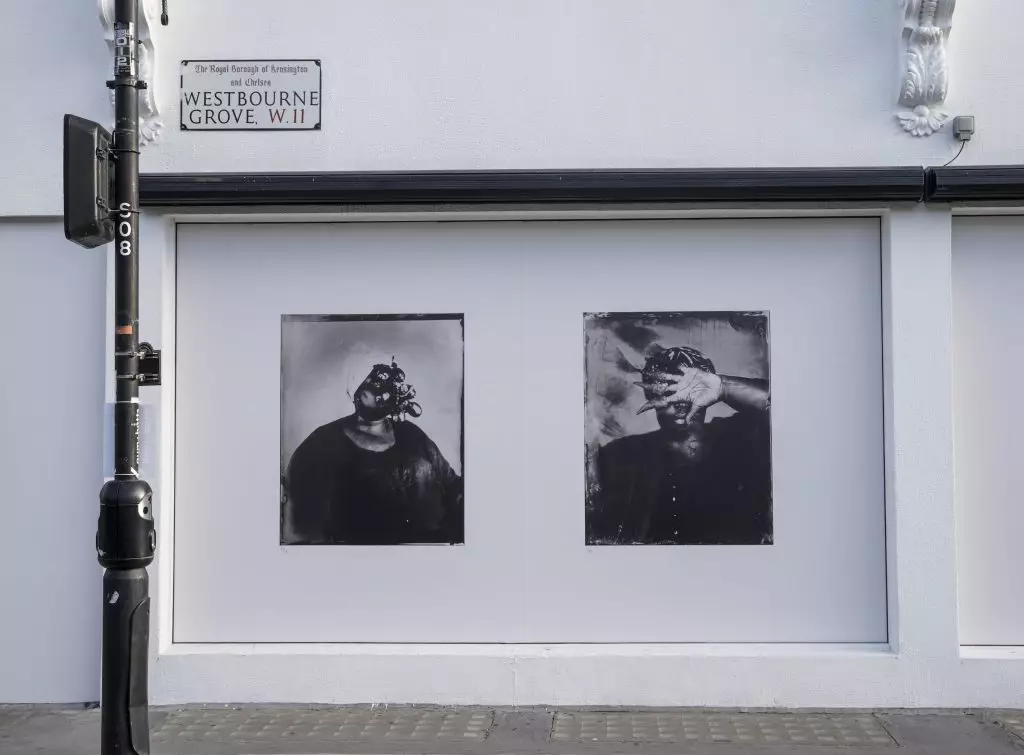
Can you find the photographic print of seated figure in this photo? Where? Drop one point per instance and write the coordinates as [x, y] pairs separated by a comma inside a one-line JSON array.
[[374, 476], [700, 472]]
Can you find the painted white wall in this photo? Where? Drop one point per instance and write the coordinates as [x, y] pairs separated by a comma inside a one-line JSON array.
[[532, 84], [51, 410], [924, 664], [988, 266], [53, 60], [50, 655], [584, 83], [449, 84]]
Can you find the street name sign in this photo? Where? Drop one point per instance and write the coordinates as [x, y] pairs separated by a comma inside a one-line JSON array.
[[250, 95]]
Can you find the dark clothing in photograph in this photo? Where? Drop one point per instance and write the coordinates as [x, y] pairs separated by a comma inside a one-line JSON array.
[[646, 493], [339, 493]]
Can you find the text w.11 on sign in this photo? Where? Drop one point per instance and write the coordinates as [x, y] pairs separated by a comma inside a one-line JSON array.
[[250, 95]]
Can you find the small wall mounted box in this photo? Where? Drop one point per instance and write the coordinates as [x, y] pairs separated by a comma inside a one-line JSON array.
[[963, 127]]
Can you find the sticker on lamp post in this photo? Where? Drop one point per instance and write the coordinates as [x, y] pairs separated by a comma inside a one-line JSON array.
[[250, 95]]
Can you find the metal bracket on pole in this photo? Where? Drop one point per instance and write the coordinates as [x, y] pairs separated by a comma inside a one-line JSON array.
[[142, 365], [149, 365]]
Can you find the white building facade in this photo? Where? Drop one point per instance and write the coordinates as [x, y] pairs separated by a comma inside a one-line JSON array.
[[522, 167]]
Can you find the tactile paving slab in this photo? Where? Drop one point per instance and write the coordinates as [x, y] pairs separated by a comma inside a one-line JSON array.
[[344, 724], [733, 728]]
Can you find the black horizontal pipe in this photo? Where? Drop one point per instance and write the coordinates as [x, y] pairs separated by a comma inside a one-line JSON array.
[[756, 185], [978, 185], [527, 186]]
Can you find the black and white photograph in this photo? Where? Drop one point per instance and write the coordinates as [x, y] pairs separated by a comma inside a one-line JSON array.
[[372, 429], [678, 428]]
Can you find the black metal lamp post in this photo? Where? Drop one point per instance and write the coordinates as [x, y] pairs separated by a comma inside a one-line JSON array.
[[101, 200]]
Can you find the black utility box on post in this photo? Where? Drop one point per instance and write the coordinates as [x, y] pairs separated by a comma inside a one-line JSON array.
[[88, 183]]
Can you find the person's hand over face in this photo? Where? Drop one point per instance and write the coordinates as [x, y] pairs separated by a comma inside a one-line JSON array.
[[695, 388]]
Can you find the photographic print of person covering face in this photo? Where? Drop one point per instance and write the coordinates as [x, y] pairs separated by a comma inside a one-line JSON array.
[[692, 480], [373, 477]]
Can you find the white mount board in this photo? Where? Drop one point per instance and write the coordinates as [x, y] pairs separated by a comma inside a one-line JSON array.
[[524, 574]]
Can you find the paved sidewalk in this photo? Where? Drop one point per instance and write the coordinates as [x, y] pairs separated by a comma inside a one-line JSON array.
[[413, 730]]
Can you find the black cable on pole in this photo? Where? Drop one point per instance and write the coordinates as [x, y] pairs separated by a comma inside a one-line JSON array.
[[163, 12]]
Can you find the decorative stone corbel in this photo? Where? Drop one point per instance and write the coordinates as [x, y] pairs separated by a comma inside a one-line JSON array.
[[150, 121], [926, 28]]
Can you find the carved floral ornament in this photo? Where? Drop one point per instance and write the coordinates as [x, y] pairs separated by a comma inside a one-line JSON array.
[[150, 121], [926, 28]]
